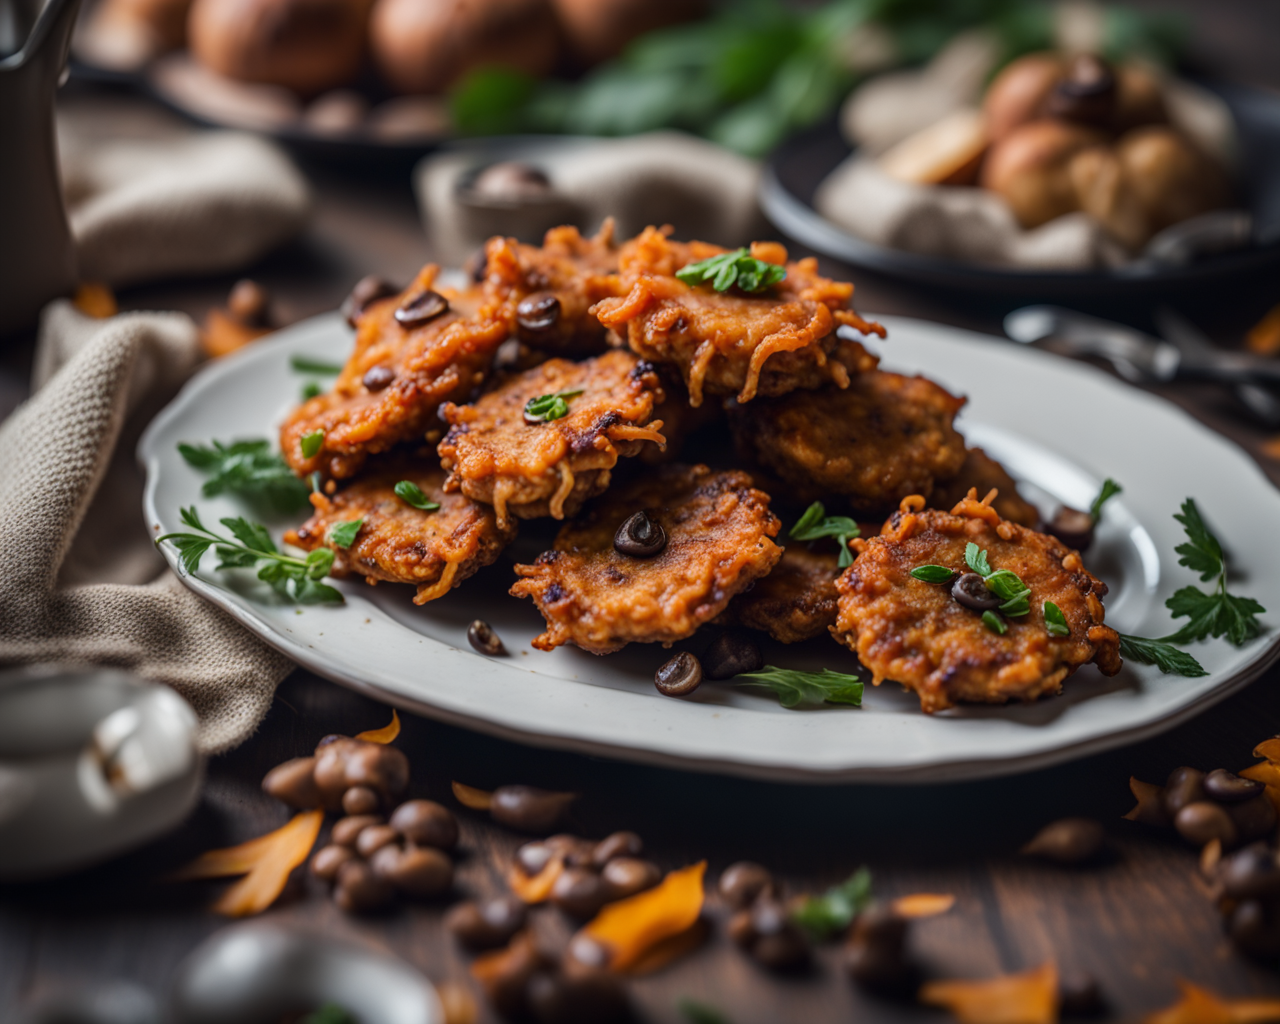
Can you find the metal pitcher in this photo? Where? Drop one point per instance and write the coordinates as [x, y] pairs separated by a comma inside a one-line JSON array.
[[37, 257]]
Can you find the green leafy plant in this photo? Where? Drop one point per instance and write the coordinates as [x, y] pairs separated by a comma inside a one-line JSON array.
[[248, 469], [343, 535], [250, 546], [728, 269], [936, 574], [1054, 621], [1006, 585], [815, 524], [831, 913], [411, 494], [794, 688], [549, 407], [302, 364], [1109, 490], [994, 623]]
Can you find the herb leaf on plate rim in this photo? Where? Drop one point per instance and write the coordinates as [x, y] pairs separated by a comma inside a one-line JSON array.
[[793, 687]]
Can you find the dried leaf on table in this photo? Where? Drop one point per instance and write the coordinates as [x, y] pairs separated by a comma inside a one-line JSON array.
[[469, 796], [923, 904], [629, 928], [1027, 998], [384, 735], [1200, 1006], [266, 863]]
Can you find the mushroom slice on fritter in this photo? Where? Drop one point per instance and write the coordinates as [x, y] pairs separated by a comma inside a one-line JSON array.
[[796, 601], [502, 452], [435, 549], [733, 343], [950, 649], [981, 472], [717, 531], [880, 439]]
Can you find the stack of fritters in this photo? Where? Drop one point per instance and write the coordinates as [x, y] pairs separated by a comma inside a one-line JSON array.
[[439, 453]]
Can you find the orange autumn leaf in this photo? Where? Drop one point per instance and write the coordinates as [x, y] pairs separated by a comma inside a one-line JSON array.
[[1268, 773], [1200, 1006], [536, 888], [1270, 749], [1263, 338], [1027, 998], [384, 735], [95, 300], [469, 796], [222, 334], [629, 928], [265, 862], [669, 949], [923, 904]]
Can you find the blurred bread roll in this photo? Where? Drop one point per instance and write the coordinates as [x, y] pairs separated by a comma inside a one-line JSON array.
[[309, 46], [946, 153], [1030, 169], [424, 46], [599, 29]]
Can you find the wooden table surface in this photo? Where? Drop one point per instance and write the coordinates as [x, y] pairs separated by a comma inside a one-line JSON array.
[[1136, 923]]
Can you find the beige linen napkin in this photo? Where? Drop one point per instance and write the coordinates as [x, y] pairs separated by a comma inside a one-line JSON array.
[[702, 190], [80, 580], [188, 203]]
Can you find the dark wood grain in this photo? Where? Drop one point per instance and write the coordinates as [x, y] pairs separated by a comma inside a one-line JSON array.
[[1136, 923]]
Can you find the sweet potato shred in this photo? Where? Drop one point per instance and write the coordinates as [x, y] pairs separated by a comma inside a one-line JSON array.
[[469, 796], [266, 863], [535, 888], [630, 928], [1200, 1006], [668, 950], [923, 904], [1270, 749], [1027, 998], [384, 735], [1268, 773]]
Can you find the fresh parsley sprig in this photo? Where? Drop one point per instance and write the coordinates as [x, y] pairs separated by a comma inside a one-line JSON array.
[[546, 408], [1168, 659], [411, 494], [733, 268], [302, 364], [343, 535], [831, 913], [1054, 621], [1004, 583], [295, 578], [1109, 490], [815, 523], [249, 469], [793, 687]]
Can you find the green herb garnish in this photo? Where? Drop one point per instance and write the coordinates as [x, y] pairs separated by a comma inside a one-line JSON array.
[[311, 390], [311, 443], [793, 687], [1109, 490], [1167, 658], [344, 534], [411, 494], [994, 623], [733, 268], [295, 578], [301, 364], [976, 559], [933, 574], [249, 469], [330, 1013], [1008, 586], [700, 1013], [549, 407], [831, 913], [1054, 621], [815, 523]]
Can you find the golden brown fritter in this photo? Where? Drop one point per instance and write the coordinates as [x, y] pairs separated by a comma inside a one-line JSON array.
[[981, 472], [796, 601], [403, 544], [732, 343], [397, 376], [550, 468], [916, 634], [880, 439], [718, 530]]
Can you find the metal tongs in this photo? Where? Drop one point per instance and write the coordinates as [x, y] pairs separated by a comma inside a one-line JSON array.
[[1184, 353]]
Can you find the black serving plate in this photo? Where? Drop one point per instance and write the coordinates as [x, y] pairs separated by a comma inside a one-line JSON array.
[[794, 171]]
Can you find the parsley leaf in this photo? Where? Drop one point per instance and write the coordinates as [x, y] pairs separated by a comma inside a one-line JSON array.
[[729, 268], [976, 559], [1109, 490], [411, 494], [296, 579], [831, 913], [815, 523], [344, 534], [546, 408], [249, 469], [794, 687], [1054, 621], [1164, 656], [933, 574], [994, 623], [301, 364], [1202, 553], [311, 443]]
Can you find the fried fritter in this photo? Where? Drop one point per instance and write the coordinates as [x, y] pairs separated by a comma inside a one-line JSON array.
[[718, 530], [550, 468], [731, 343], [880, 439], [981, 472], [917, 634], [403, 544], [398, 375], [796, 601]]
